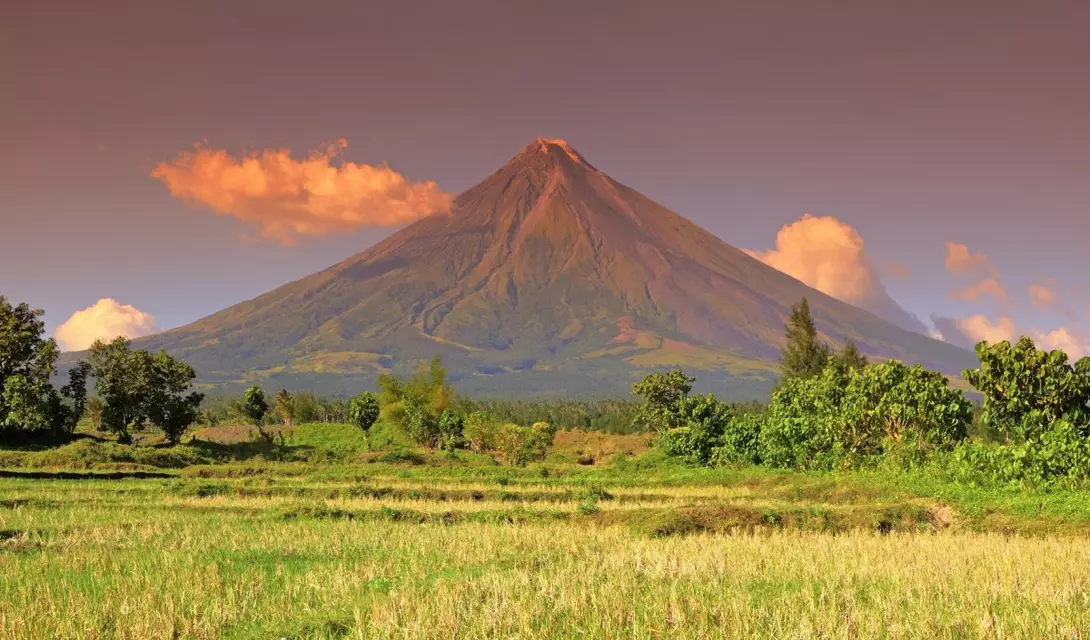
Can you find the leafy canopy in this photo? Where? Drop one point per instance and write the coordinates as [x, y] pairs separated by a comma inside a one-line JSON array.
[[28, 400], [138, 387]]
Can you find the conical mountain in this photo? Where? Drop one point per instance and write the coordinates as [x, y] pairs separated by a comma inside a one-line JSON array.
[[548, 276]]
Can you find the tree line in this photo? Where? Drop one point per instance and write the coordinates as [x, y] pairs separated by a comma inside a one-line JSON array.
[[835, 410]]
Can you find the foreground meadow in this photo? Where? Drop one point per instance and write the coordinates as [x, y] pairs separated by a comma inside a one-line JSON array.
[[423, 546]]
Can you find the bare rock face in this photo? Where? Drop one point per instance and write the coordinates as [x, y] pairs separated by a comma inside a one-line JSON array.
[[548, 276]]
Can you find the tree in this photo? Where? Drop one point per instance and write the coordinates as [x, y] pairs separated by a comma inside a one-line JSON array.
[[28, 400], [662, 394], [804, 355], [363, 411], [416, 404], [1027, 390], [480, 430], [520, 445], [848, 417], [93, 411], [138, 387], [851, 357], [254, 406], [167, 380], [698, 425], [285, 407], [117, 379], [450, 430]]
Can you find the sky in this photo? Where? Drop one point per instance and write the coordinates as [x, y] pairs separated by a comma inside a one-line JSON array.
[[162, 161]]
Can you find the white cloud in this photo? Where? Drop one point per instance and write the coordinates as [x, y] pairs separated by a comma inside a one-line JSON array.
[[106, 319]]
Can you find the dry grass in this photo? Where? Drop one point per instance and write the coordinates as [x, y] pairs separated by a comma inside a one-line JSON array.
[[303, 558]]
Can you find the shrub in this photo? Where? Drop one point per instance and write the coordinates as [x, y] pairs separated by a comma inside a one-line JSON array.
[[740, 442], [850, 417], [450, 430], [480, 431], [521, 445]]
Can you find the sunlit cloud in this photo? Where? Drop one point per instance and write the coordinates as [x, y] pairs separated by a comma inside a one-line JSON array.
[[830, 256], [986, 288], [896, 269], [966, 332], [285, 198], [106, 319], [959, 260], [1041, 296]]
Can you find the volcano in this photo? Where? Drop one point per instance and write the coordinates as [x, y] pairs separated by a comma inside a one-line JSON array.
[[547, 277]]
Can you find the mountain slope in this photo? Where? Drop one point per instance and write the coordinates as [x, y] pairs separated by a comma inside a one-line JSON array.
[[546, 276]]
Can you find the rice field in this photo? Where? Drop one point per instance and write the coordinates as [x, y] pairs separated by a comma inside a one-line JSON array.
[[555, 551]]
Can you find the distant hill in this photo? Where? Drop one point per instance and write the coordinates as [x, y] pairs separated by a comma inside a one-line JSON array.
[[547, 277]]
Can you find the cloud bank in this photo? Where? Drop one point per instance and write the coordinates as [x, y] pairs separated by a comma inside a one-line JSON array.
[[966, 332], [285, 198], [106, 319], [830, 256]]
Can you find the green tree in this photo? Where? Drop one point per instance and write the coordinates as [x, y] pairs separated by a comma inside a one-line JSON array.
[[804, 354], [119, 384], [138, 387], [850, 356], [521, 445], [699, 423], [415, 405], [285, 407], [93, 411], [254, 406], [28, 400], [1027, 390], [662, 395], [363, 411], [480, 431], [450, 430], [167, 381]]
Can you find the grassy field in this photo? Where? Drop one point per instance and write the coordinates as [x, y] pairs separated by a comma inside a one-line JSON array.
[[324, 539]]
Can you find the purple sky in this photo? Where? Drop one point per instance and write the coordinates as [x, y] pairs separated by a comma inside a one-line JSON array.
[[916, 123]]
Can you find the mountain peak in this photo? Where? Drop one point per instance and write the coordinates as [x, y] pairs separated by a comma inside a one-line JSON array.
[[550, 146]]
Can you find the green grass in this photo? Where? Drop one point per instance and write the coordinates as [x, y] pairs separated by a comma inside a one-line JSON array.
[[323, 538]]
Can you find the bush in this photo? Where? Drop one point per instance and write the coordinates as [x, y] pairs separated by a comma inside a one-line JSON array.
[[450, 430], [521, 445], [740, 441], [851, 417], [480, 431]]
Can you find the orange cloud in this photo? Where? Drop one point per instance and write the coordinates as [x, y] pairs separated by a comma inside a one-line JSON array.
[[979, 327], [830, 256], [896, 269], [988, 287], [1041, 296], [961, 261], [826, 254], [286, 198], [106, 319], [968, 331]]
